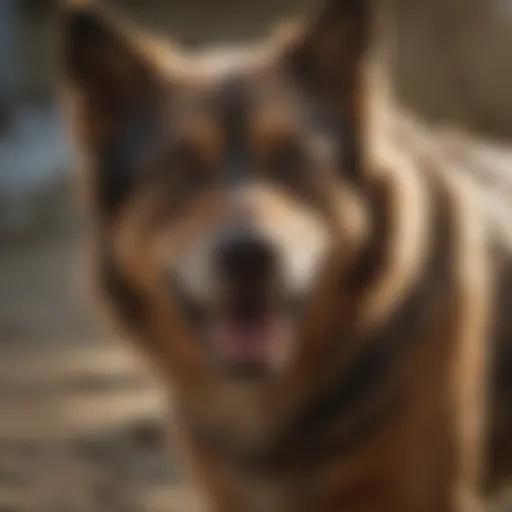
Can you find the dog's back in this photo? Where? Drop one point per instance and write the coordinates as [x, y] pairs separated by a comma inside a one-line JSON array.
[[489, 166]]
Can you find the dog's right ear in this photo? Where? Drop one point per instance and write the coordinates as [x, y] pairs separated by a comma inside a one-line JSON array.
[[103, 61], [115, 90]]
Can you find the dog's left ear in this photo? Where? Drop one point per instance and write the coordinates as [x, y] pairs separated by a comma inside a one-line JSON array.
[[330, 51], [328, 57]]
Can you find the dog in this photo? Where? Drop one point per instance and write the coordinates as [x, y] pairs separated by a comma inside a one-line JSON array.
[[325, 296]]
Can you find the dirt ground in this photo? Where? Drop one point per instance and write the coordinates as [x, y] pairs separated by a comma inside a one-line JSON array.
[[81, 421]]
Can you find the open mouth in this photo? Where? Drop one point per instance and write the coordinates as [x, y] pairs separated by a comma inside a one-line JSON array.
[[246, 335], [244, 308], [249, 346]]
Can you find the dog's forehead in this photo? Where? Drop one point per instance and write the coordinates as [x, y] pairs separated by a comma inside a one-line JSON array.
[[211, 73], [221, 60], [246, 94], [232, 87]]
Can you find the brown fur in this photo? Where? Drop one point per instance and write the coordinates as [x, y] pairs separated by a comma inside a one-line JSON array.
[[385, 406]]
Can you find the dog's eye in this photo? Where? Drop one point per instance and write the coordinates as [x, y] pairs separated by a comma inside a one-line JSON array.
[[287, 161], [192, 168]]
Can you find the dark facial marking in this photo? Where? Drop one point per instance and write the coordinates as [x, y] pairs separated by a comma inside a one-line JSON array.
[[124, 157], [234, 102]]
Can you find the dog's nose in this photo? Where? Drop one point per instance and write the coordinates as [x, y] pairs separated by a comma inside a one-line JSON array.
[[245, 257]]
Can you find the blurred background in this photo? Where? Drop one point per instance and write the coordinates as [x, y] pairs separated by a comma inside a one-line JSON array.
[[81, 420]]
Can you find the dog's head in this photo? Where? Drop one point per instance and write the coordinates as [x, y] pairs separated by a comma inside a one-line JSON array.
[[223, 184]]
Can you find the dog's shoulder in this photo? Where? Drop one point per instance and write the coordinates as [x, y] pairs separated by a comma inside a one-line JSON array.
[[481, 170]]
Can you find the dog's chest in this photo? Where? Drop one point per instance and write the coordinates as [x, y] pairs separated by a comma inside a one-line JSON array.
[[256, 495]]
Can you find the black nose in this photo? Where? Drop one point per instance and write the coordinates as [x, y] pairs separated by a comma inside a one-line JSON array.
[[245, 258]]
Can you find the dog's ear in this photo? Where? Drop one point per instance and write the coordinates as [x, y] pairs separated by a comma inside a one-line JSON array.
[[103, 60], [328, 53], [114, 90], [327, 56]]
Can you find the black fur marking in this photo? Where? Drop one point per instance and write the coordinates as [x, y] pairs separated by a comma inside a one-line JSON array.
[[500, 425], [234, 100], [503, 355], [338, 128], [123, 161], [375, 253], [81, 29]]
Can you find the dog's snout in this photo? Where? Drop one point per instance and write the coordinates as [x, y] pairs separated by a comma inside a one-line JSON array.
[[246, 257]]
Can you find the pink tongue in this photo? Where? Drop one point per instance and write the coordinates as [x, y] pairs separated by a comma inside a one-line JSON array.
[[246, 341]]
